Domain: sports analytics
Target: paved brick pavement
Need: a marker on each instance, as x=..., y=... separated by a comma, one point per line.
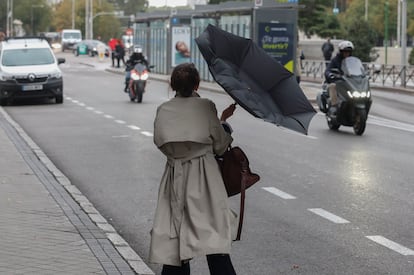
x=46, y=225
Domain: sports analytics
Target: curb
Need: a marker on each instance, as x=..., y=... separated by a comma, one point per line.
x=123, y=248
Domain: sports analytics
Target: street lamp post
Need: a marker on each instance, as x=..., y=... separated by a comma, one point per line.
x=9, y=24
x=73, y=14
x=34, y=6
x=403, y=40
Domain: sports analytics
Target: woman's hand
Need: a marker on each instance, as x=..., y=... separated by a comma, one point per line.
x=228, y=112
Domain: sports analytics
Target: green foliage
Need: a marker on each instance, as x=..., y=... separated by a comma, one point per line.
x=130, y=6
x=363, y=36
x=23, y=11
x=106, y=26
x=411, y=57
x=317, y=18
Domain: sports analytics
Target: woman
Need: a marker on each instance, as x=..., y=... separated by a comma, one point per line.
x=193, y=217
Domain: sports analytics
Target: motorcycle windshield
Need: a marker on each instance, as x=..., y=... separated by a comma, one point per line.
x=352, y=66
x=139, y=67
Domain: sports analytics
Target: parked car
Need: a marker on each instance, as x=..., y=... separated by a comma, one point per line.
x=90, y=47
x=29, y=69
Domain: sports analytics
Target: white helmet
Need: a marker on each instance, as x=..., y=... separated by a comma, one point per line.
x=346, y=46
x=137, y=49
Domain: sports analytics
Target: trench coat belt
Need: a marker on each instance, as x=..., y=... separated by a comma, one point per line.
x=177, y=190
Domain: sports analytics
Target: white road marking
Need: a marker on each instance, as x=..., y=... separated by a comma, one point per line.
x=146, y=133
x=98, y=112
x=121, y=136
x=90, y=108
x=391, y=123
x=133, y=127
x=279, y=193
x=75, y=101
x=379, y=121
x=392, y=245
x=68, y=98
x=108, y=116
x=327, y=215
x=120, y=121
x=81, y=104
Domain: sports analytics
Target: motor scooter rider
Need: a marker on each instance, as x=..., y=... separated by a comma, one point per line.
x=345, y=50
x=136, y=57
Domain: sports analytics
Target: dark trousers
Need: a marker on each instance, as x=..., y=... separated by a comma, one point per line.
x=218, y=264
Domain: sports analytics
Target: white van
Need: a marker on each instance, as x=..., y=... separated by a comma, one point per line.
x=69, y=38
x=29, y=69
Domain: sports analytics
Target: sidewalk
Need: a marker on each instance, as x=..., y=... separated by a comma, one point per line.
x=47, y=225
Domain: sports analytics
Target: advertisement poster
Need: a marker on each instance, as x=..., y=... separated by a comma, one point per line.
x=180, y=45
x=277, y=40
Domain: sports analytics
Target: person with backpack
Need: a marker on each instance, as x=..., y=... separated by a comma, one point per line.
x=327, y=50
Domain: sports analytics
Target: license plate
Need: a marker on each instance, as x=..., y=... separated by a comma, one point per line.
x=32, y=87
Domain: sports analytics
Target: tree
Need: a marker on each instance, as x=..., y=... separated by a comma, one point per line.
x=363, y=37
x=130, y=6
x=317, y=18
x=105, y=26
x=23, y=10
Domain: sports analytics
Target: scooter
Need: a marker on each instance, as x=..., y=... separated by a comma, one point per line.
x=137, y=82
x=354, y=97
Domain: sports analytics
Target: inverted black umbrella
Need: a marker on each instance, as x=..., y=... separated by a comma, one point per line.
x=256, y=81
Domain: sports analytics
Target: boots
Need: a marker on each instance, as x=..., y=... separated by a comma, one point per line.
x=332, y=110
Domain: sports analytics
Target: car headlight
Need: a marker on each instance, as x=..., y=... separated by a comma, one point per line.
x=357, y=94
x=56, y=75
x=6, y=77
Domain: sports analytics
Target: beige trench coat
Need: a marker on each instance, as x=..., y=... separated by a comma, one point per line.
x=193, y=217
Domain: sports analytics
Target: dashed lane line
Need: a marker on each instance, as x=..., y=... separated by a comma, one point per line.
x=392, y=245
x=132, y=127
x=279, y=193
x=146, y=133
x=328, y=215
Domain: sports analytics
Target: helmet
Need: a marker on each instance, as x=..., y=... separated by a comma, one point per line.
x=137, y=49
x=346, y=46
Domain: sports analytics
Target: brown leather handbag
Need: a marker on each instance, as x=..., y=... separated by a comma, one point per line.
x=237, y=177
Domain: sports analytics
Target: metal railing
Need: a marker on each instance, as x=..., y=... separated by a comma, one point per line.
x=385, y=75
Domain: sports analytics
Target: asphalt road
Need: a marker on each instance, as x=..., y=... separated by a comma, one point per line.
x=327, y=203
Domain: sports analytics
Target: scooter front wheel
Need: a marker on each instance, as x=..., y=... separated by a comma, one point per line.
x=332, y=124
x=360, y=121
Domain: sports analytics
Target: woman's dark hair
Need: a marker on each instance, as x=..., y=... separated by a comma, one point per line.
x=185, y=79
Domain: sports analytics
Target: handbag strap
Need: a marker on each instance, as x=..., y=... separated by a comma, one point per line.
x=242, y=198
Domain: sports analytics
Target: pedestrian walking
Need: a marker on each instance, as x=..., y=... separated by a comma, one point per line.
x=327, y=50
x=193, y=217
x=119, y=53
x=112, y=44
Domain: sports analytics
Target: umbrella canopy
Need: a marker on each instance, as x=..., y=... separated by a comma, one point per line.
x=256, y=81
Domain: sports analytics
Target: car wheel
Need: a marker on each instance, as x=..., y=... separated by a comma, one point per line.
x=3, y=102
x=59, y=99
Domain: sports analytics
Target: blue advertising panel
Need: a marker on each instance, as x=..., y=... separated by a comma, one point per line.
x=277, y=39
